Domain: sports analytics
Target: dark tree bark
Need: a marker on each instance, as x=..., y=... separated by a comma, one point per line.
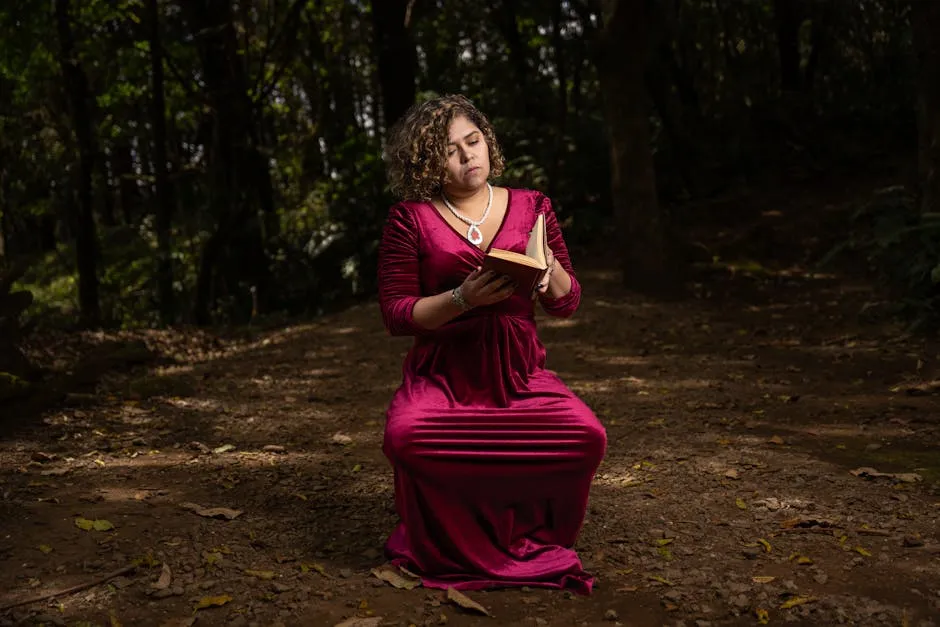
x=86, y=235
x=122, y=167
x=395, y=55
x=621, y=54
x=233, y=257
x=163, y=191
x=787, y=18
x=925, y=18
x=508, y=20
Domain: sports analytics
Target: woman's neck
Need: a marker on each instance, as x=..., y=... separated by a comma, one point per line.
x=468, y=201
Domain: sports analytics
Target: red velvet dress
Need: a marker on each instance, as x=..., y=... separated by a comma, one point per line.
x=493, y=455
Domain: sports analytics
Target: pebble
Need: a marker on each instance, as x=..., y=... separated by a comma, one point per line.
x=280, y=588
x=673, y=596
x=611, y=615
x=821, y=578
x=741, y=601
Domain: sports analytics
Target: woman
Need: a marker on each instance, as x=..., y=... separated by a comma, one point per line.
x=493, y=455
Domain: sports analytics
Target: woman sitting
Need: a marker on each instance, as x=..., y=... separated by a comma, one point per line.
x=493, y=455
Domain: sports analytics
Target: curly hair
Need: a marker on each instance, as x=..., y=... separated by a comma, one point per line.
x=416, y=150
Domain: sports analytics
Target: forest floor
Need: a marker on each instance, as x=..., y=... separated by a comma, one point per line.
x=748, y=425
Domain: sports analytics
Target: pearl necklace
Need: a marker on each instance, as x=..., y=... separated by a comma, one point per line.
x=474, y=234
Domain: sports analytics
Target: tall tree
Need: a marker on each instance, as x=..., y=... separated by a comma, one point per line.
x=925, y=19
x=395, y=55
x=621, y=53
x=86, y=235
x=164, y=195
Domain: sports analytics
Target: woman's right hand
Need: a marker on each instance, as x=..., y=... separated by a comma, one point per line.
x=484, y=287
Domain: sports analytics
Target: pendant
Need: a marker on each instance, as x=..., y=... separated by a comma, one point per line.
x=475, y=235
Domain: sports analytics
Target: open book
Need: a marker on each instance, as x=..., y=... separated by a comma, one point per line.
x=527, y=269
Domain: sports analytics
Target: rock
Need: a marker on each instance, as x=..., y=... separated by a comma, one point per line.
x=162, y=594
x=751, y=553
x=912, y=540
x=178, y=591
x=345, y=573
x=821, y=578
x=611, y=615
x=274, y=448
x=280, y=588
x=741, y=601
x=673, y=596
x=208, y=584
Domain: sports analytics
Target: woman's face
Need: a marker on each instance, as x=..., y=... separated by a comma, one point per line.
x=468, y=156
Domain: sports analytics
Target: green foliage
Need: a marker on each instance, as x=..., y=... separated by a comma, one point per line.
x=901, y=247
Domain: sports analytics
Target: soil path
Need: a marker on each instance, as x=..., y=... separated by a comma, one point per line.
x=735, y=422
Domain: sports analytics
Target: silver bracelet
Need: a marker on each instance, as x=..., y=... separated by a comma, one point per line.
x=456, y=296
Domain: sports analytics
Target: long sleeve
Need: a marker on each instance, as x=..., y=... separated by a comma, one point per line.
x=399, y=282
x=564, y=306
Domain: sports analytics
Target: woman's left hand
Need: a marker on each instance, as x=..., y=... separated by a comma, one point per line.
x=542, y=286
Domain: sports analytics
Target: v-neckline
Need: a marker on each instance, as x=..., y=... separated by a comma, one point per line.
x=463, y=238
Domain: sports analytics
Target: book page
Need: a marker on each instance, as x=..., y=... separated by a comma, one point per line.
x=538, y=242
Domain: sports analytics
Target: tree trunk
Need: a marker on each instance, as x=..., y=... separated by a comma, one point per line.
x=122, y=168
x=233, y=162
x=622, y=51
x=396, y=57
x=86, y=236
x=164, y=194
x=787, y=18
x=508, y=22
x=925, y=18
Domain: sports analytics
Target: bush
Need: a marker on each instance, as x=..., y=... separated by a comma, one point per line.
x=901, y=247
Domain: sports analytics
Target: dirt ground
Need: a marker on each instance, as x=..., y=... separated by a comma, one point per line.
x=738, y=421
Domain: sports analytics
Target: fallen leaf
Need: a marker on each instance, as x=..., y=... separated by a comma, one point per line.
x=765, y=544
x=763, y=617
x=862, y=551
x=45, y=548
x=795, y=601
x=341, y=439
x=166, y=578
x=317, y=568
x=212, y=512
x=93, y=525
x=207, y=602
x=731, y=474
x=372, y=621
x=664, y=541
x=903, y=477
x=762, y=579
x=396, y=577
x=260, y=574
x=225, y=448
x=740, y=503
x=466, y=602
x=801, y=559
x=776, y=440
x=659, y=579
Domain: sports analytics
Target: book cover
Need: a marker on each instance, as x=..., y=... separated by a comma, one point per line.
x=525, y=268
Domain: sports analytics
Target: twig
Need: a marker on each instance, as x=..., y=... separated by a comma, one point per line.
x=72, y=590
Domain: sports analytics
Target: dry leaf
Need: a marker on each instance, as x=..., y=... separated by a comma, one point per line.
x=762, y=579
x=903, y=477
x=661, y=580
x=765, y=544
x=372, y=621
x=206, y=602
x=466, y=602
x=797, y=601
x=862, y=551
x=763, y=617
x=45, y=548
x=776, y=440
x=114, y=621
x=212, y=512
x=93, y=525
x=166, y=578
x=305, y=568
x=740, y=503
x=396, y=577
x=731, y=474
x=225, y=448
x=260, y=574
